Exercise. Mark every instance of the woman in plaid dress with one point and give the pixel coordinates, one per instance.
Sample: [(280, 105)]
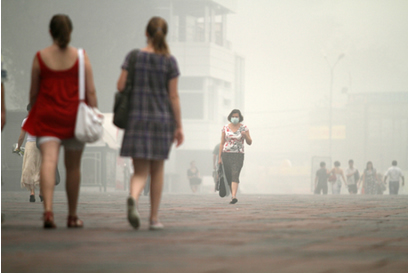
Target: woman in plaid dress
[(154, 120)]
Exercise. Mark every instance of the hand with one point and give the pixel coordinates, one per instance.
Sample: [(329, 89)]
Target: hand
[(243, 134), (220, 160), (178, 136)]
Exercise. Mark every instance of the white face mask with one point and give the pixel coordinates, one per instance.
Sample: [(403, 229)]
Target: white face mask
[(235, 120)]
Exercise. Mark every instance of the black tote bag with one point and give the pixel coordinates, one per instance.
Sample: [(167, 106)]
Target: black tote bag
[(121, 105)]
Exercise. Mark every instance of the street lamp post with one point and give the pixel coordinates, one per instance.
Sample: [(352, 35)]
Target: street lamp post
[(331, 99)]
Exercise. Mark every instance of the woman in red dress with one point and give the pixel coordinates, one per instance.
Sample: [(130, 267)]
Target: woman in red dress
[(54, 97)]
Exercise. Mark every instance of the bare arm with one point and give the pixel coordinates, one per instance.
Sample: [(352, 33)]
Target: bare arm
[(122, 80), (90, 91), (35, 81), (21, 139), (247, 137), (175, 103)]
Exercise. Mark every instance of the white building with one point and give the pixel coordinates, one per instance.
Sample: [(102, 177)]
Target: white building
[(211, 82)]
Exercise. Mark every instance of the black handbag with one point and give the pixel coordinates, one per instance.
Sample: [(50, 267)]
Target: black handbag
[(122, 99), (223, 186)]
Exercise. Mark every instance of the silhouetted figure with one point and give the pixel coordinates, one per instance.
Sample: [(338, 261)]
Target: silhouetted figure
[(30, 175), (394, 174), (338, 175), (353, 176), (194, 177), (369, 179), (321, 179)]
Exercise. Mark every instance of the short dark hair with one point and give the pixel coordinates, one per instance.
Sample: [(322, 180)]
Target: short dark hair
[(337, 164), (394, 163), (241, 118), (351, 161), (322, 164)]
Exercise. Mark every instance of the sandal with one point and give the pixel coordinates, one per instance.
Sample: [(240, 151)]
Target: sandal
[(74, 222), (132, 213), (156, 225), (49, 220)]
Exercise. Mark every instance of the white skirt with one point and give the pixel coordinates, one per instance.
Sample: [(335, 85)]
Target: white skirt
[(30, 177)]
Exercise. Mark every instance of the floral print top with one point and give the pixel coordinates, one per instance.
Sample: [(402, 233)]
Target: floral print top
[(234, 142)]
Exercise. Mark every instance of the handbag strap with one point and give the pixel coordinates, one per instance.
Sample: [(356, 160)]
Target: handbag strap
[(132, 61), (81, 75)]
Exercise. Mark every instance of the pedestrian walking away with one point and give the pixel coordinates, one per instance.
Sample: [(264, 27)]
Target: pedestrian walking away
[(353, 176), (30, 175), (154, 120), (54, 98), (369, 179), (338, 173), (394, 174), (321, 179), (194, 177), (231, 152)]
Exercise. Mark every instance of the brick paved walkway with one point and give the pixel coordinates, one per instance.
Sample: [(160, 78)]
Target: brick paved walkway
[(262, 233)]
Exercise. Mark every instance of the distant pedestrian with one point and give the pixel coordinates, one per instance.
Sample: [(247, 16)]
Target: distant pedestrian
[(353, 176), (194, 177), (369, 179), (338, 175), (154, 121), (30, 175), (321, 179), (394, 174), (231, 152), (54, 98)]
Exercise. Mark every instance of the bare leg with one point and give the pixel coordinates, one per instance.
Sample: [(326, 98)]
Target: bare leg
[(141, 169), (32, 190), (49, 154), (234, 189), (156, 187), (72, 159)]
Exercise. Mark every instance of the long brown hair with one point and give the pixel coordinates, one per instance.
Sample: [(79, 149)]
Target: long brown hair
[(157, 30), (61, 28)]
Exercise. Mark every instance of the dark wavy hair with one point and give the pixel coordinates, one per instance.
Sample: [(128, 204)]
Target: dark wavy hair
[(241, 118)]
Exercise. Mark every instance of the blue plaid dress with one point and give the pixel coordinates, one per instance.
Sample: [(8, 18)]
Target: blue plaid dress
[(150, 130)]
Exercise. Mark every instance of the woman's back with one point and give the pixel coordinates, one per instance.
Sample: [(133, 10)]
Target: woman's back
[(56, 59), (150, 95)]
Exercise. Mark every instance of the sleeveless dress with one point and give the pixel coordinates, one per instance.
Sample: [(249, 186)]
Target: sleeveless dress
[(54, 112), (150, 130)]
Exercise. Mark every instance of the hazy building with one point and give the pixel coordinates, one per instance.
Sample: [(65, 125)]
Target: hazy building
[(212, 77), (370, 127)]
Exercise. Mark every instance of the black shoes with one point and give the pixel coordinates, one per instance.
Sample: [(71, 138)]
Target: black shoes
[(41, 197), (32, 199), (234, 201)]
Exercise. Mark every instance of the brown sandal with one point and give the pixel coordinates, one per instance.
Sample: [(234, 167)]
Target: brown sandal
[(74, 222), (49, 220)]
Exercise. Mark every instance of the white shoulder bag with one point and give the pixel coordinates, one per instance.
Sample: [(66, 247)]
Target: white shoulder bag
[(88, 127)]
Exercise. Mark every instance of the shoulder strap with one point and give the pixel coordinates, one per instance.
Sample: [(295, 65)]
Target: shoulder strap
[(81, 70)]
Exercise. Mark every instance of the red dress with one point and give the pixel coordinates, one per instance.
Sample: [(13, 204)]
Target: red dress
[(54, 112)]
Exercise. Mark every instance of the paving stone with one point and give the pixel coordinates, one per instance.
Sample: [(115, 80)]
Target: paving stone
[(203, 233)]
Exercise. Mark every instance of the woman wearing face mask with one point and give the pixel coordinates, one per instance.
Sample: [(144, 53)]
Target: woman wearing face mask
[(231, 152)]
